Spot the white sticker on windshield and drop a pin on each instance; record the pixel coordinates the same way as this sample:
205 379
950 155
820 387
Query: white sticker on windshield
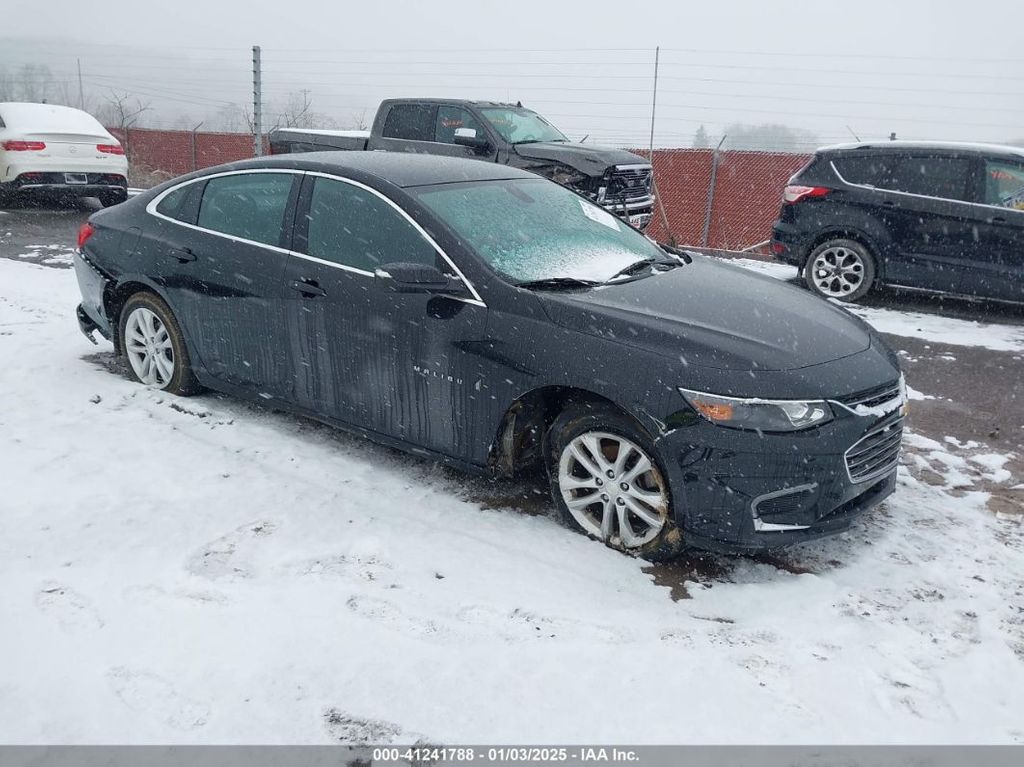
599 215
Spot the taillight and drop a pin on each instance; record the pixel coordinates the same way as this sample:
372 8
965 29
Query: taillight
86 231
110 148
794 194
24 146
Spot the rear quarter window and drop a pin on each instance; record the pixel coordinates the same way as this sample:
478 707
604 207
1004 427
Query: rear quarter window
175 204
865 170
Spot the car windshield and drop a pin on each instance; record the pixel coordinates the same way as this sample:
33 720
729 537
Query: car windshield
534 229
521 126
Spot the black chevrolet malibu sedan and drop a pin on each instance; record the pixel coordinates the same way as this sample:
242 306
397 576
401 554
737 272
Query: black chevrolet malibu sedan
494 320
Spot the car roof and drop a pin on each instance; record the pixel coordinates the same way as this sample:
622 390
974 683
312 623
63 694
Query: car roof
401 169
464 102
941 146
52 118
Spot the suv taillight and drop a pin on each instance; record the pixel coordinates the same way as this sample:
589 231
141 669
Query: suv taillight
24 146
86 231
795 193
109 149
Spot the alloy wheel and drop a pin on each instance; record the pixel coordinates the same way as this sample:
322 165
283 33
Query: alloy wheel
149 349
837 272
613 489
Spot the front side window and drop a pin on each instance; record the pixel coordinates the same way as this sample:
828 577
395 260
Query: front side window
521 126
934 176
533 229
1004 184
451 119
353 227
412 122
248 205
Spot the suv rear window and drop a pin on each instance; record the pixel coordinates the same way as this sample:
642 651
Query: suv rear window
413 122
930 176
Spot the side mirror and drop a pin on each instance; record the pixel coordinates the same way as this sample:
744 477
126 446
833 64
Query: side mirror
419 278
468 137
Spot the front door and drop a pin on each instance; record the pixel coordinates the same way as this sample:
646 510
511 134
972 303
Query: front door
1000 266
389 362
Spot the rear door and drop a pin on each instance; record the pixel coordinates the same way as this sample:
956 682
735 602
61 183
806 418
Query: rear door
927 201
222 271
1000 266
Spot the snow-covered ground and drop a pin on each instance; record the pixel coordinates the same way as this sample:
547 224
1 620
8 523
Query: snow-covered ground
202 570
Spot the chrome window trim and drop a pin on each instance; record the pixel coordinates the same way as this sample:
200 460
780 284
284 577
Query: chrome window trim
151 208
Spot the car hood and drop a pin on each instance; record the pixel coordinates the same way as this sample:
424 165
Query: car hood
710 314
591 159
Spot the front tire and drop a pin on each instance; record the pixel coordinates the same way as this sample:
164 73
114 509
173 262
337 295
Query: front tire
606 482
840 268
154 346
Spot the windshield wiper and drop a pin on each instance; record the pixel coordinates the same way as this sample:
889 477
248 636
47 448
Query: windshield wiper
637 267
557 283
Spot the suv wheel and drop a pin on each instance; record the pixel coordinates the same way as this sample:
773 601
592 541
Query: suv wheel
840 269
606 482
155 346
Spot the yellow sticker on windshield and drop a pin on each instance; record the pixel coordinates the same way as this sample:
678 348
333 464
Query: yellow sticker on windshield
599 215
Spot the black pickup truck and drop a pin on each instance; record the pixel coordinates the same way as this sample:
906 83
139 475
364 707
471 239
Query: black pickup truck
504 133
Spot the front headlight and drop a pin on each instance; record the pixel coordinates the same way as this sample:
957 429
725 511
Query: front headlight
758 414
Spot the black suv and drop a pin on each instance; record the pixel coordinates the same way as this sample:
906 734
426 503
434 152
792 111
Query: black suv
934 216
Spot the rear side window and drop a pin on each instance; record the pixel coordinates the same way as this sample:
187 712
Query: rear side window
930 176
413 122
865 170
1004 184
353 227
250 206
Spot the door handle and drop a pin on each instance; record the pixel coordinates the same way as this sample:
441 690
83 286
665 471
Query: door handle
997 220
889 203
308 288
183 255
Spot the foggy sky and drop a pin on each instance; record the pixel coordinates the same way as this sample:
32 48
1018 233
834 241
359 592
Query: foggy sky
937 70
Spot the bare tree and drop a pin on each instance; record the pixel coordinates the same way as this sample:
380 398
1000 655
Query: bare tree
121 110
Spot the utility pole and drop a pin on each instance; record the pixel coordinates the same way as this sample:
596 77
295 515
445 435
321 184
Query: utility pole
257 103
654 103
81 93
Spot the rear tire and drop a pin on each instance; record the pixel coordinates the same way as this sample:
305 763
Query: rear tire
840 268
607 482
154 346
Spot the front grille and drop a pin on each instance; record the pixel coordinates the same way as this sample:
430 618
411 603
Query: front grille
629 185
873 397
876 453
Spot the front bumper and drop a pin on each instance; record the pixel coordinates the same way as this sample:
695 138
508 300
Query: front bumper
737 491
